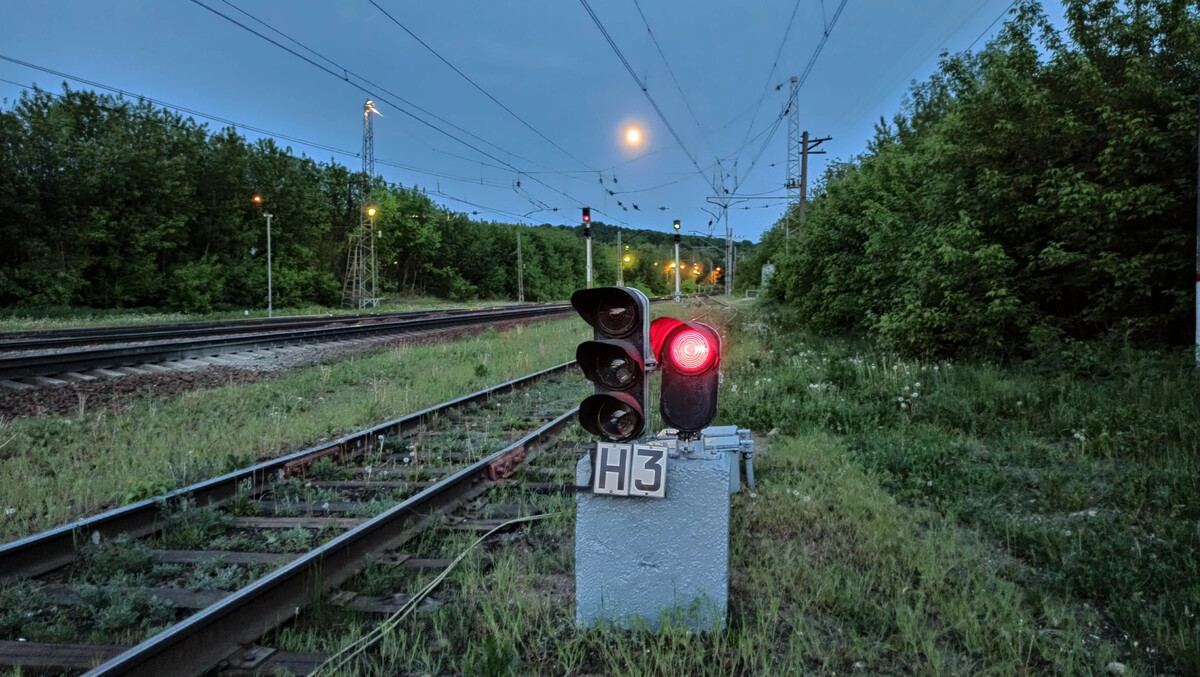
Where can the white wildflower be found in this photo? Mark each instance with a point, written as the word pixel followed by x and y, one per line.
pixel 935 367
pixel 733 388
pixel 903 405
pixel 807 499
pixel 1019 403
pixel 10 511
pixel 914 394
pixel 900 398
pixel 813 386
pixel 917 384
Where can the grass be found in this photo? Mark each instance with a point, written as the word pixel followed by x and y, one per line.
pixel 882 539
pixel 57 468
pixel 829 574
pixel 1081 467
pixel 19 319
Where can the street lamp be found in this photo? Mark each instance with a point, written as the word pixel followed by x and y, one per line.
pixel 677 238
pixel 374 263
pixel 257 200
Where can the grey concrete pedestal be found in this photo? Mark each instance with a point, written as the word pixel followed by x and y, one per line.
pixel 642 561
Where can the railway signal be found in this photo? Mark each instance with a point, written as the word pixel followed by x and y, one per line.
pixel 689 356
pixel 615 360
pixel 587 238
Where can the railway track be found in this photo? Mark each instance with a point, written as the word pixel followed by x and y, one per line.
pixel 92 336
pixel 189 583
pixel 87 356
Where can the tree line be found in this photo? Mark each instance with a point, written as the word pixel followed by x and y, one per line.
pixel 112 203
pixel 1043 189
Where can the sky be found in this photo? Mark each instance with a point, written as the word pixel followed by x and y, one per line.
pixel 555 140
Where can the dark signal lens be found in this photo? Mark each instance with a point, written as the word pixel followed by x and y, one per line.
pixel 615 317
pixel 618 420
pixel 691 352
pixel 615 372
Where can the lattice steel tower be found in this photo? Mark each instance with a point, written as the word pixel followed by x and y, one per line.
pixel 361 286
pixel 794 150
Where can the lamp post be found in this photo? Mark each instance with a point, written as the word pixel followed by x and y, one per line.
pixel 257 199
pixel 677 237
pixel 270 297
pixel 374 263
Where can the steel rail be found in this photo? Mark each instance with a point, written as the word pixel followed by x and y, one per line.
pixel 50 550
pixel 203 640
pixel 45 364
pixel 64 338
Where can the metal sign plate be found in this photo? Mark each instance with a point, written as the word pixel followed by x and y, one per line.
pixel 630 470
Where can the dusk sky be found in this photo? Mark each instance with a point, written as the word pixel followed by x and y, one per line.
pixel 545 61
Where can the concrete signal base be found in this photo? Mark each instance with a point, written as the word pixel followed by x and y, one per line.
pixel 643 562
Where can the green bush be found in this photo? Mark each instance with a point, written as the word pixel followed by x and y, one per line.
pixel 1040 190
pixel 197 286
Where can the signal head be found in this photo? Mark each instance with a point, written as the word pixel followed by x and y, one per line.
pixel 690 353
pixel 587 214
pixel 615 360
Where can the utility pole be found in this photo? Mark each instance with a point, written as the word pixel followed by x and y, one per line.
pixel 728 252
pixel 520 272
pixel 677 238
pixel 270 297
pixel 361 265
pixel 620 262
pixel 807 147
pixel 1198 244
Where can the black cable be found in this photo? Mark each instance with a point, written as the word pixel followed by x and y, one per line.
pixel 227 121
pixel 800 83
pixel 395 105
pixel 347 74
pixel 770 74
pixel 641 85
pixel 997 19
pixel 476 85
pixel 666 63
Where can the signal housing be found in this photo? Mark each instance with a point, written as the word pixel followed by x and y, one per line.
pixel 615 360
pixel 690 360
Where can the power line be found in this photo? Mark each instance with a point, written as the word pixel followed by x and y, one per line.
pixel 666 63
pixel 475 84
pixel 642 85
pixel 398 107
pixel 774 64
pixel 346 74
pixel 234 123
pixel 803 77
pixel 994 22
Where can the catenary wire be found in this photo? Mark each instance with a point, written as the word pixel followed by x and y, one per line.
pixel 239 125
pixel 474 84
pixel 642 85
pixel 399 108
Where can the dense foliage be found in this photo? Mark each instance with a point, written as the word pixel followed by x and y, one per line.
pixel 1041 189
pixel 109 203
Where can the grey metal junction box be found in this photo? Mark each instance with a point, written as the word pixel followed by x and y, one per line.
pixel 640 561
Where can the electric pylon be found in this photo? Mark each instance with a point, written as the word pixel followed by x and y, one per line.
pixel 794 151
pixel 361 286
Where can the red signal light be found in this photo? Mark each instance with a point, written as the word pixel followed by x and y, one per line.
pixel 587 214
pixel 691 352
